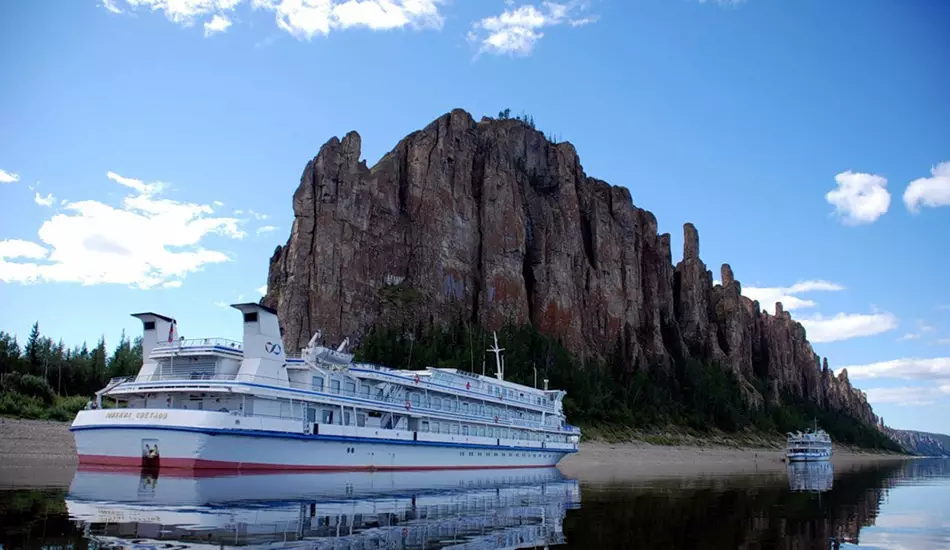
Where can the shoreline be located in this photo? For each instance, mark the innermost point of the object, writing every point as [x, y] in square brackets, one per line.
[41, 453]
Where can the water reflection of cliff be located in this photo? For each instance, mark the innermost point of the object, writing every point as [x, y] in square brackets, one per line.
[745, 514]
[477, 509]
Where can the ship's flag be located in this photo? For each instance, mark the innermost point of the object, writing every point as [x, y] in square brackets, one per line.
[171, 331]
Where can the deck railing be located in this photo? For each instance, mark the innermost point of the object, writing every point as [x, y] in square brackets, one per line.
[178, 380]
[199, 342]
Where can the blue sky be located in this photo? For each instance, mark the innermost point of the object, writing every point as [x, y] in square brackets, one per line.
[149, 149]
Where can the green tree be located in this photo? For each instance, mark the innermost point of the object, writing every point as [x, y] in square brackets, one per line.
[32, 348]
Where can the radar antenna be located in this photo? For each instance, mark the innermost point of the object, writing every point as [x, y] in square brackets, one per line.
[499, 361]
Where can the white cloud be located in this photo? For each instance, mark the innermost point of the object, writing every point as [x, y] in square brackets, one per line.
[221, 304]
[218, 23]
[922, 328]
[908, 368]
[933, 191]
[145, 242]
[179, 11]
[218, 204]
[110, 5]
[722, 2]
[516, 31]
[845, 326]
[257, 215]
[8, 177]
[16, 248]
[172, 284]
[942, 341]
[906, 395]
[302, 18]
[767, 296]
[262, 290]
[46, 201]
[266, 229]
[859, 198]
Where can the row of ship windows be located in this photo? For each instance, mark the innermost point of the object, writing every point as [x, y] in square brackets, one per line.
[493, 389]
[450, 404]
[479, 453]
[329, 416]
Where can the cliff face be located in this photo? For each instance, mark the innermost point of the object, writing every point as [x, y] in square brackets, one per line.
[921, 443]
[486, 221]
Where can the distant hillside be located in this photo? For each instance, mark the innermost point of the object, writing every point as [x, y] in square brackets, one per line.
[921, 443]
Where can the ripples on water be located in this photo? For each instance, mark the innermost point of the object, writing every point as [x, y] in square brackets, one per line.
[900, 505]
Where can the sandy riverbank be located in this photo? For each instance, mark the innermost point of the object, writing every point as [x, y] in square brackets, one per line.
[38, 453]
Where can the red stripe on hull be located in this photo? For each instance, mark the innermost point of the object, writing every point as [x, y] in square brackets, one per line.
[221, 467]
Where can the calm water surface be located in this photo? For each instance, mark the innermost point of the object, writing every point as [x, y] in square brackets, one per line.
[901, 505]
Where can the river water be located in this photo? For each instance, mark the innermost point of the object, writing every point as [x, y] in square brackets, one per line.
[898, 504]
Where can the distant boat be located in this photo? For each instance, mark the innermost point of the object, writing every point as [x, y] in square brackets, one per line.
[212, 403]
[812, 445]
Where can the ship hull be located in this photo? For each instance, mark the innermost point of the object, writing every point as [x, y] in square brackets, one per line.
[205, 446]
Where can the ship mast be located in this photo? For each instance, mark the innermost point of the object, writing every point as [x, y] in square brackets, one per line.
[499, 362]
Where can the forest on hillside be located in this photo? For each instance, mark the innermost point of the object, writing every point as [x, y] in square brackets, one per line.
[45, 379]
[607, 391]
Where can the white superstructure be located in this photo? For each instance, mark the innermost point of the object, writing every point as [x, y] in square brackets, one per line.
[213, 403]
[812, 445]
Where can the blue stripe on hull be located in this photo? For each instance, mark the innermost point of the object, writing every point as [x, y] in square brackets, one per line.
[318, 437]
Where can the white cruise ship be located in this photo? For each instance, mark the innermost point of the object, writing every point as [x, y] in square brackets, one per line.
[218, 404]
[813, 445]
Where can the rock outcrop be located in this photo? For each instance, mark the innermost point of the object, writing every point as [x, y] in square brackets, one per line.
[490, 221]
[920, 443]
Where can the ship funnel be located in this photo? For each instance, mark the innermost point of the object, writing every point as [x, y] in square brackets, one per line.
[262, 337]
[156, 329]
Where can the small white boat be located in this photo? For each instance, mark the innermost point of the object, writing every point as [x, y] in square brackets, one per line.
[812, 445]
[212, 403]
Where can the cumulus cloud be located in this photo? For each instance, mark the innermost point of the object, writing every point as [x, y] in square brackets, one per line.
[935, 369]
[767, 296]
[256, 215]
[932, 192]
[17, 248]
[145, 242]
[845, 326]
[265, 229]
[8, 177]
[301, 18]
[859, 198]
[218, 24]
[912, 396]
[46, 201]
[516, 31]
[262, 290]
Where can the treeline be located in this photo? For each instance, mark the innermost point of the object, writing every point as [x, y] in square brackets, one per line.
[45, 379]
[611, 391]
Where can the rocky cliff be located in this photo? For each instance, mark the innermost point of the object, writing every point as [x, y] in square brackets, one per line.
[921, 443]
[490, 221]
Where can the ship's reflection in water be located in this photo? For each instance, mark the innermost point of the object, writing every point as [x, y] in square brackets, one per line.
[811, 477]
[470, 509]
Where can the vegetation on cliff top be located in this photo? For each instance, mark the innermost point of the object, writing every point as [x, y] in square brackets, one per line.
[610, 392]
